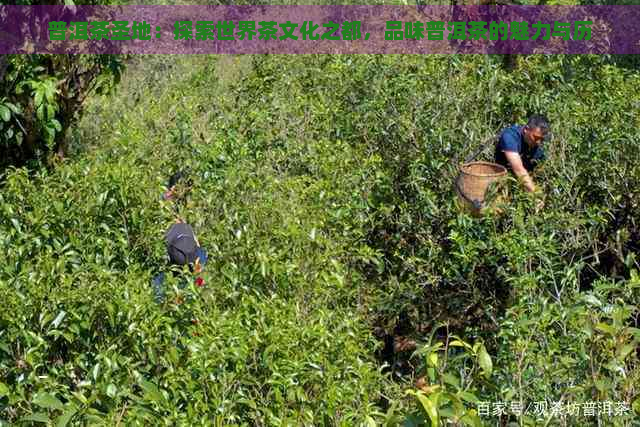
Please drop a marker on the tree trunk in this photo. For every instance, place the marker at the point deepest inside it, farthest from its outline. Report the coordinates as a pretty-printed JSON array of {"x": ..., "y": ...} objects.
[
  {"x": 68, "y": 109},
  {"x": 509, "y": 60},
  {"x": 30, "y": 140},
  {"x": 4, "y": 64}
]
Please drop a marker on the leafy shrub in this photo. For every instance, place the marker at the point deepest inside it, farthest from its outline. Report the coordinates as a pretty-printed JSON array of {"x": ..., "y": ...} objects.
[
  {"x": 322, "y": 190},
  {"x": 43, "y": 96}
]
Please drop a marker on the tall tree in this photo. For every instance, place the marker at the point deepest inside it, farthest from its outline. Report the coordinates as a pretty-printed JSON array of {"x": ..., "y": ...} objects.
[{"x": 42, "y": 96}]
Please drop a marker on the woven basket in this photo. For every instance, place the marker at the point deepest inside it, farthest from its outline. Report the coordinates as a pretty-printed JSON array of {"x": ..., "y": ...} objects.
[{"x": 473, "y": 181}]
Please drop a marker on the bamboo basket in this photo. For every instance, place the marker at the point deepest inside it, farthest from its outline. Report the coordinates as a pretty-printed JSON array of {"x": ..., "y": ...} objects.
[{"x": 473, "y": 181}]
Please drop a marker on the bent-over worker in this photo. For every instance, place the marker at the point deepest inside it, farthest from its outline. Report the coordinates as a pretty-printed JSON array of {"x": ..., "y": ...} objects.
[{"x": 520, "y": 148}]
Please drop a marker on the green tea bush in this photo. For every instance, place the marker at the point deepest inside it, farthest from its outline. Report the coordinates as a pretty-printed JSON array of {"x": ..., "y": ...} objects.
[
  {"x": 426, "y": 262},
  {"x": 267, "y": 340},
  {"x": 323, "y": 194}
]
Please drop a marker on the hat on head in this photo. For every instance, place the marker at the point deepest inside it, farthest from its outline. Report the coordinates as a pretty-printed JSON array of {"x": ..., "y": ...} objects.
[
  {"x": 175, "y": 178},
  {"x": 181, "y": 244},
  {"x": 180, "y": 175}
]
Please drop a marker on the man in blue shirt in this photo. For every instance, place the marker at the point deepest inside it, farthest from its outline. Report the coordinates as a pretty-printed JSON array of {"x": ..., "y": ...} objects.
[{"x": 520, "y": 148}]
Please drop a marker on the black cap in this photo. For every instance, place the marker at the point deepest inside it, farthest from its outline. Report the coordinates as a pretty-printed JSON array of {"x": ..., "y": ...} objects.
[
  {"x": 181, "y": 244},
  {"x": 180, "y": 176}
]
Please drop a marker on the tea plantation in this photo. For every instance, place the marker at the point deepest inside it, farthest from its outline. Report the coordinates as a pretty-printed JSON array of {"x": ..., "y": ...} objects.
[{"x": 344, "y": 285}]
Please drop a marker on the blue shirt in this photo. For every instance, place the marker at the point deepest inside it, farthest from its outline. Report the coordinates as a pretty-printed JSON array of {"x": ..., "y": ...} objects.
[{"x": 512, "y": 139}]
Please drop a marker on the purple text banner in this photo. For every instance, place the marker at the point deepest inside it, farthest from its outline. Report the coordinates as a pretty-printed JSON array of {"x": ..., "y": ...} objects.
[{"x": 319, "y": 29}]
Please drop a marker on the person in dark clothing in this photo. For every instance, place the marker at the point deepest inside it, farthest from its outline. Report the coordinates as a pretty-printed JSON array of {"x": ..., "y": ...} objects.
[
  {"x": 520, "y": 150},
  {"x": 173, "y": 192},
  {"x": 183, "y": 246},
  {"x": 183, "y": 249}
]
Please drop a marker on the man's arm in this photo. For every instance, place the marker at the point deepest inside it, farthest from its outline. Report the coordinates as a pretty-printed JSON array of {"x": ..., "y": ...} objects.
[{"x": 518, "y": 168}]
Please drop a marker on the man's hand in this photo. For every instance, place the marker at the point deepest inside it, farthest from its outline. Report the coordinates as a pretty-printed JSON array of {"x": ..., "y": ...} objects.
[{"x": 521, "y": 172}]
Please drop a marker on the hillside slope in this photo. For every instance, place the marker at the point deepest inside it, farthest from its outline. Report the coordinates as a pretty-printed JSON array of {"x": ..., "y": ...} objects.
[{"x": 322, "y": 191}]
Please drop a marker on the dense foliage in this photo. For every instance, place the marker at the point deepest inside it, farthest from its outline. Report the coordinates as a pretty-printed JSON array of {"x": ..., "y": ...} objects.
[
  {"x": 345, "y": 287},
  {"x": 554, "y": 293},
  {"x": 42, "y": 96}
]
